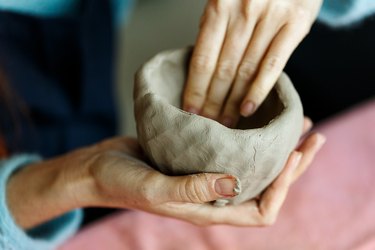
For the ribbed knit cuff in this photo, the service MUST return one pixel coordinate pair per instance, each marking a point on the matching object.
(46, 236)
(339, 13)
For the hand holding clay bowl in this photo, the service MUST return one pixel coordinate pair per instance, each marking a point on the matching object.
(180, 143)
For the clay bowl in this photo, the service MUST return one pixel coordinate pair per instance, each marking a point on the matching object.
(180, 143)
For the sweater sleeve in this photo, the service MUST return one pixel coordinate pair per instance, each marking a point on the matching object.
(57, 8)
(336, 13)
(50, 8)
(46, 236)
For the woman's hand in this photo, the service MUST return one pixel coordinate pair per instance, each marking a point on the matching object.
(113, 174)
(242, 48)
(125, 181)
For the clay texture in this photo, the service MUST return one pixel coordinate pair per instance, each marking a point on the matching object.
(180, 143)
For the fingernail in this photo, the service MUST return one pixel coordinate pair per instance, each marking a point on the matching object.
(228, 186)
(247, 109)
(228, 122)
(192, 110)
(309, 123)
(321, 140)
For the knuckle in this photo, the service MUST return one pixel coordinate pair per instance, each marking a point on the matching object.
(301, 20)
(301, 13)
(219, 6)
(273, 64)
(267, 220)
(194, 95)
(202, 64)
(300, 25)
(102, 160)
(232, 107)
(192, 190)
(250, 8)
(260, 90)
(281, 9)
(246, 70)
(212, 105)
(147, 194)
(266, 217)
(226, 71)
(210, 111)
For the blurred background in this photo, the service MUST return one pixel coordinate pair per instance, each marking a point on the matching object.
(152, 27)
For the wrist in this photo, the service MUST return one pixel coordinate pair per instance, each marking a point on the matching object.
(42, 191)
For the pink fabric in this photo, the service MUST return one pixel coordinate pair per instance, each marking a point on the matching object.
(331, 207)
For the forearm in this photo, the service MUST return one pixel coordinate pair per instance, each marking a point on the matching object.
(42, 191)
(45, 190)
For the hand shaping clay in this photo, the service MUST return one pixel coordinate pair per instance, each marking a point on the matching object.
(180, 143)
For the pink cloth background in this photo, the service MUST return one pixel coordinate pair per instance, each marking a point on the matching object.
(332, 206)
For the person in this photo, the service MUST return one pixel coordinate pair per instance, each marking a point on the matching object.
(57, 58)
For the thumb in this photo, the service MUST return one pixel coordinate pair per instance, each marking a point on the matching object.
(202, 188)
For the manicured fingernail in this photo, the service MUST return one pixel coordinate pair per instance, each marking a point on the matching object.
(228, 186)
(192, 110)
(247, 109)
(228, 122)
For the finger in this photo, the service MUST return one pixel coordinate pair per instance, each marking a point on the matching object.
(309, 147)
(238, 35)
(271, 66)
(207, 214)
(263, 34)
(199, 188)
(245, 214)
(204, 58)
(307, 125)
(274, 196)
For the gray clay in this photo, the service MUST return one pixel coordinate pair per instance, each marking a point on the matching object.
(180, 143)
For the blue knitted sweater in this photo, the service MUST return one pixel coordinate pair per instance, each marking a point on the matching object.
(335, 13)
(56, 8)
(338, 13)
(46, 236)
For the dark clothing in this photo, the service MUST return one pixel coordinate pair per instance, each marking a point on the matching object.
(334, 69)
(61, 68)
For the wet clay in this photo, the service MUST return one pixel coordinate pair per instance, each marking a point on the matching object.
(180, 143)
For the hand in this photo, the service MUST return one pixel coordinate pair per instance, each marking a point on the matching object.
(129, 183)
(242, 48)
(113, 174)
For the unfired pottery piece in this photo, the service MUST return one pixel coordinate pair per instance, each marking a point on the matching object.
(180, 143)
